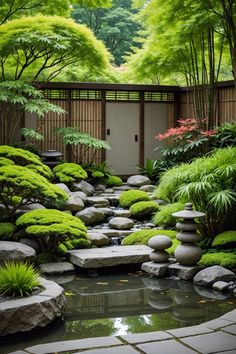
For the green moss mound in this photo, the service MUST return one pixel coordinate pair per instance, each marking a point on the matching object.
(227, 260)
(164, 216)
(225, 238)
(130, 197)
(142, 237)
(52, 227)
(7, 230)
(21, 186)
(6, 162)
(25, 158)
(113, 181)
(142, 210)
(69, 172)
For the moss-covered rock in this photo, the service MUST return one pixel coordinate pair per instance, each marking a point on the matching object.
(69, 172)
(21, 186)
(113, 181)
(130, 197)
(227, 260)
(227, 238)
(52, 228)
(25, 158)
(164, 215)
(142, 210)
(7, 230)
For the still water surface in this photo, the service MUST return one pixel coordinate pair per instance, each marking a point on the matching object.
(121, 304)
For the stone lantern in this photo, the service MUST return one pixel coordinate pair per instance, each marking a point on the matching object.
(187, 253)
(50, 157)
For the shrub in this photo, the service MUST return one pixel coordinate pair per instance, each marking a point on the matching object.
(20, 186)
(141, 210)
(225, 135)
(6, 230)
(225, 238)
(223, 259)
(69, 172)
(142, 237)
(18, 279)
(97, 172)
(209, 182)
(152, 169)
(130, 197)
(113, 181)
(25, 158)
(164, 218)
(6, 162)
(52, 227)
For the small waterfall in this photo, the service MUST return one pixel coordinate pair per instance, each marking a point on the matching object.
(115, 241)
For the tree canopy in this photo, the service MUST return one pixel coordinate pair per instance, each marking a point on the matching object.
(39, 47)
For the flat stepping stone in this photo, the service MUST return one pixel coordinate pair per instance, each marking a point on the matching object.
(56, 268)
(110, 256)
(112, 232)
(122, 213)
(98, 201)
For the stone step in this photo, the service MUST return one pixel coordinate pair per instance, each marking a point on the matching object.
(112, 232)
(109, 256)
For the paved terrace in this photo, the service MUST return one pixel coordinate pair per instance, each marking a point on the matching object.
(216, 336)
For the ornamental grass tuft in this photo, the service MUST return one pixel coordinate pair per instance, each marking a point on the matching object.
(18, 279)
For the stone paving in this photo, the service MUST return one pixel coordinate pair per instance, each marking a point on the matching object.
(214, 337)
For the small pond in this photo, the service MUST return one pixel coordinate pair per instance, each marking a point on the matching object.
(119, 304)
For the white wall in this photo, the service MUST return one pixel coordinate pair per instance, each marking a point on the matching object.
(155, 122)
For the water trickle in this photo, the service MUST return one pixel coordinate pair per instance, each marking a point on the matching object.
(115, 241)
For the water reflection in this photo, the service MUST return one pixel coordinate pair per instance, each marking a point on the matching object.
(122, 304)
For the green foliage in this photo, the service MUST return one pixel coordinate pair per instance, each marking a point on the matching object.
(209, 182)
(18, 8)
(25, 158)
(52, 228)
(225, 135)
(39, 47)
(80, 141)
(114, 181)
(152, 170)
(225, 238)
(81, 243)
(116, 26)
(97, 172)
(18, 97)
(20, 186)
(18, 279)
(6, 231)
(31, 134)
(6, 162)
(164, 216)
(142, 237)
(227, 260)
(142, 210)
(130, 197)
(69, 172)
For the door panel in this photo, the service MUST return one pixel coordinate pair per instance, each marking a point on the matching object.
(122, 132)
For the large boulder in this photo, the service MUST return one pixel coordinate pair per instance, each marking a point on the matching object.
(36, 311)
(81, 195)
(91, 216)
(138, 181)
(210, 275)
(74, 203)
(16, 251)
(121, 223)
(84, 187)
(33, 206)
(63, 186)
